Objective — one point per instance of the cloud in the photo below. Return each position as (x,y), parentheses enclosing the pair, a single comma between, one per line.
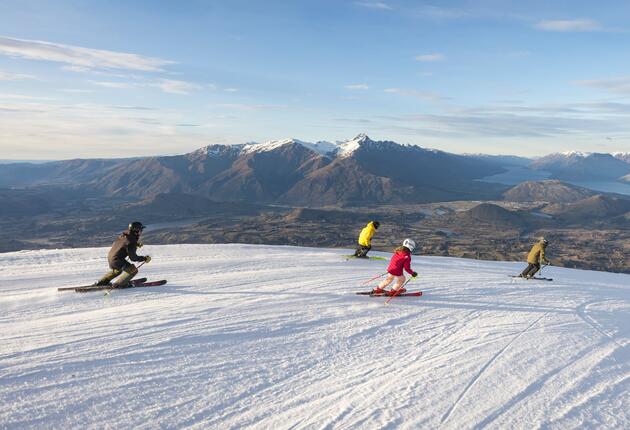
(439,13)
(377,5)
(568,25)
(230,90)
(430,58)
(79,57)
(554,120)
(249,107)
(422,95)
(119,85)
(357,87)
(177,87)
(22,97)
(619,85)
(76,90)
(8,76)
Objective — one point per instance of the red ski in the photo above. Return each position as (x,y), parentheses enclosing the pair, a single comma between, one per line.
(409,294)
(136,285)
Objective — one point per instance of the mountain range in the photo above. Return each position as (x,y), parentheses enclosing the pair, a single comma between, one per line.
(360,171)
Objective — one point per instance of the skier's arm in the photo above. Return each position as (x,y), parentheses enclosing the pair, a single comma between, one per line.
(543,259)
(407,266)
(131,252)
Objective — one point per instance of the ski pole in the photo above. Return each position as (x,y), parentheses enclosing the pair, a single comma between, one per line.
(398,290)
(541,269)
(376,277)
(109,290)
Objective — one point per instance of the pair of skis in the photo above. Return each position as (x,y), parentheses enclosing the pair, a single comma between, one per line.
(136,283)
(533,278)
(406,294)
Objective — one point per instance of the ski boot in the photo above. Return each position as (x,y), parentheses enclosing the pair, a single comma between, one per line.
(396,292)
(378,290)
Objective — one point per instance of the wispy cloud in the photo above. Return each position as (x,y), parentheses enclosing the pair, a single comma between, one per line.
(377,5)
(438,13)
(170,86)
(79,56)
(177,87)
(422,95)
(430,58)
(230,90)
(619,85)
(577,119)
(249,107)
(353,87)
(569,25)
(22,97)
(107,84)
(8,76)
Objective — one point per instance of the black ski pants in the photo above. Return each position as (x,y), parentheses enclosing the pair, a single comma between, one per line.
(530,270)
(362,251)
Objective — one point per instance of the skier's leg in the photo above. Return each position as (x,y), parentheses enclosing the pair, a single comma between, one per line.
(534,270)
(107,278)
(384,283)
(358,251)
(366,249)
(526,270)
(400,280)
(129,271)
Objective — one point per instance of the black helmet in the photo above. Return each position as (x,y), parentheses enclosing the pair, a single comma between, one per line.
(376,224)
(136,226)
(543,241)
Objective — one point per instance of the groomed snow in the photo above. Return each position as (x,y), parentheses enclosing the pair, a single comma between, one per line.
(271,337)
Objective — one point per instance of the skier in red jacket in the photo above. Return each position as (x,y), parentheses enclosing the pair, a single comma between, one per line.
(400,260)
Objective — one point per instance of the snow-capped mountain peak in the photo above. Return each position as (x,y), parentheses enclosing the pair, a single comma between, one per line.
(321,147)
(577,154)
(347,148)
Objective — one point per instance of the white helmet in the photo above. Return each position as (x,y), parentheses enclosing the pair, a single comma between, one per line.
(409,244)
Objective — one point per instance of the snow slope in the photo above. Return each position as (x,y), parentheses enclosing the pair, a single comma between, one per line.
(271,337)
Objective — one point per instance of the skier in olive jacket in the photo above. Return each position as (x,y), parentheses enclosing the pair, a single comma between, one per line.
(365,239)
(535,257)
(124,246)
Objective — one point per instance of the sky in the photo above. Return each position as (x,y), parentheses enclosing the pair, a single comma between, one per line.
(118,78)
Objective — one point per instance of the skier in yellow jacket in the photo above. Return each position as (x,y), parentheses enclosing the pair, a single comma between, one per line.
(365,239)
(535,257)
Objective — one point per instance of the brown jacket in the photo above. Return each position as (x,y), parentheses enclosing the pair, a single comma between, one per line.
(124,246)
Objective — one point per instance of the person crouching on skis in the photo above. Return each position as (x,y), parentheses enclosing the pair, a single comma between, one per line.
(535,257)
(400,260)
(124,246)
(365,239)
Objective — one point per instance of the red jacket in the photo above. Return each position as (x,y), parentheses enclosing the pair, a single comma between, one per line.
(400,260)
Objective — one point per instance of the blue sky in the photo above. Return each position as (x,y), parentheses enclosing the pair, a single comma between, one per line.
(119,78)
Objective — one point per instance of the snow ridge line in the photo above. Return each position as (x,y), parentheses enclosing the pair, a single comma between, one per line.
(581,311)
(472,382)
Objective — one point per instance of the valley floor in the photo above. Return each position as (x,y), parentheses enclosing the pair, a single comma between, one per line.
(273,337)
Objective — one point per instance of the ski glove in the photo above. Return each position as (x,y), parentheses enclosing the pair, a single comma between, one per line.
(414,274)
(147,258)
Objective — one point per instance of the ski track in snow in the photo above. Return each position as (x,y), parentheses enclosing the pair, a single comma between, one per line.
(273,337)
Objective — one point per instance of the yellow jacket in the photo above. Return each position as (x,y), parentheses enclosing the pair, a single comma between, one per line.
(537,255)
(365,238)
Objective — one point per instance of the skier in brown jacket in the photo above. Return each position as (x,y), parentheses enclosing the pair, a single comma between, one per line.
(124,246)
(535,257)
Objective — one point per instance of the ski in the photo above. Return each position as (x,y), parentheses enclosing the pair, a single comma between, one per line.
(348,257)
(408,294)
(537,278)
(133,281)
(109,287)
